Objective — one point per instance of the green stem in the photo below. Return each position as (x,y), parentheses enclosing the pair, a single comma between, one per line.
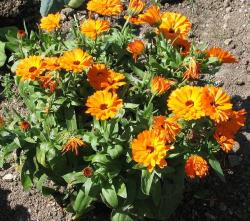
(125,24)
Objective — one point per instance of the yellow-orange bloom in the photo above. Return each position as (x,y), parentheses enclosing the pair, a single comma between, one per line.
(196,166)
(103,105)
(152,16)
(73,144)
(216,103)
(76,60)
(186,102)
(105,7)
(24,125)
(221,55)
(1,122)
(193,71)
(47,82)
(100,77)
(136,48)
(149,149)
(93,28)
(135,7)
(135,20)
(29,68)
(183,44)
(50,22)
(169,127)
(159,85)
(225,139)
(51,64)
(175,25)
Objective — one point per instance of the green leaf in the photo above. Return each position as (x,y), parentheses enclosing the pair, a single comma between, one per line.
(156,192)
(146,181)
(26,180)
(109,194)
(7,29)
(74,178)
(3,56)
(120,216)
(130,105)
(50,6)
(70,118)
(81,203)
(75,3)
(217,168)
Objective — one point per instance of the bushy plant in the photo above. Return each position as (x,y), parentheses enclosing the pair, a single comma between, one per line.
(117,116)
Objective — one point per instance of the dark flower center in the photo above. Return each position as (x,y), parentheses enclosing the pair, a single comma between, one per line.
(32,69)
(103,106)
(189,103)
(76,62)
(171,30)
(150,148)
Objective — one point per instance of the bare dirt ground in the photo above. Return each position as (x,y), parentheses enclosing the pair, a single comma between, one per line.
(222,23)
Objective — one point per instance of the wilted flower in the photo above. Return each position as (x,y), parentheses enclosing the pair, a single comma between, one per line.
(183,44)
(159,85)
(73,144)
(193,71)
(1,122)
(87,172)
(196,166)
(47,82)
(221,55)
(135,7)
(50,22)
(24,125)
(136,48)
(20,34)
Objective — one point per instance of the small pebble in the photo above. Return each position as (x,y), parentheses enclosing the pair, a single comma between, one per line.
(240,82)
(8,177)
(228,41)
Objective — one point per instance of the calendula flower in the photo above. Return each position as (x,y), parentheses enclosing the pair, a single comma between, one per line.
(100,77)
(87,172)
(73,144)
(105,7)
(159,85)
(169,127)
(135,7)
(20,34)
(175,25)
(225,139)
(196,166)
(47,82)
(236,120)
(24,125)
(185,102)
(216,103)
(50,22)
(135,20)
(151,16)
(29,68)
(183,44)
(93,28)
(1,122)
(193,71)
(149,149)
(136,48)
(103,105)
(76,60)
(51,63)
(221,55)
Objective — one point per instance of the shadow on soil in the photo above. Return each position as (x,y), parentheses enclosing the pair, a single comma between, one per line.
(19,213)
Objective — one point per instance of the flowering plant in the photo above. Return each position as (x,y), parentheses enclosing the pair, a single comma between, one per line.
(116,117)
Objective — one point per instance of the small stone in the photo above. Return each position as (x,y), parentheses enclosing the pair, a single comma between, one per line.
(236,147)
(219,83)
(228,41)
(228,9)
(222,207)
(226,3)
(240,82)
(8,177)
(234,160)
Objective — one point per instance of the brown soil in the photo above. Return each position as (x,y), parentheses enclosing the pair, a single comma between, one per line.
(216,23)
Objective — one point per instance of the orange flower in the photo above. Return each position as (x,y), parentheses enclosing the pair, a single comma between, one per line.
(236,120)
(93,28)
(135,7)
(168,127)
(100,77)
(24,125)
(1,122)
(73,144)
(183,44)
(20,34)
(103,105)
(51,64)
(136,48)
(29,68)
(175,25)
(51,22)
(216,103)
(193,71)
(149,149)
(87,172)
(160,85)
(152,16)
(225,139)
(76,60)
(47,82)
(135,20)
(105,7)
(196,166)
(221,55)
(185,102)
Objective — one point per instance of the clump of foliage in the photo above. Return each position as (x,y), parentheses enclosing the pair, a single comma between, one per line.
(116,117)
